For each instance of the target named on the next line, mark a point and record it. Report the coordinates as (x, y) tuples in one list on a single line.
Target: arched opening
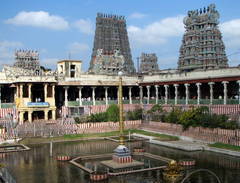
[(49, 114), (38, 115), (25, 116)]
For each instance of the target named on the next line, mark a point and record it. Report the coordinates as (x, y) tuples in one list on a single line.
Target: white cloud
[(84, 26), (167, 62), (157, 33), (39, 19), (78, 48), (49, 62), (7, 51), (7, 44), (231, 28), (231, 33), (137, 15)]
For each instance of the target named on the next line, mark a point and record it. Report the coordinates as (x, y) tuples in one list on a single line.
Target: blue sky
[(62, 28)]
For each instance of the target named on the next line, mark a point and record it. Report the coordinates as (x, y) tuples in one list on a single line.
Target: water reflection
[(36, 165)]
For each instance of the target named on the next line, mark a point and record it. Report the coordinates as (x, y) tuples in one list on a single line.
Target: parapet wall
[(105, 126), (215, 109), (199, 133)]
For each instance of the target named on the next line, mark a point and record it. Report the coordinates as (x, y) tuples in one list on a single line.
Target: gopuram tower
[(111, 37), (148, 63), (27, 59), (202, 46)]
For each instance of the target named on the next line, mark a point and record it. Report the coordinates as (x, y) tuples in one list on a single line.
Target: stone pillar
[(0, 96), (53, 91), (198, 92), (17, 91), (53, 95), (187, 93), (30, 116), (118, 95), (156, 90), (93, 95), (176, 93), (66, 96), (46, 115), (130, 94), (54, 114), (45, 92), (21, 117), (80, 95), (148, 94), (238, 91), (166, 93), (225, 92), (141, 94), (21, 91), (106, 95), (30, 92), (211, 92)]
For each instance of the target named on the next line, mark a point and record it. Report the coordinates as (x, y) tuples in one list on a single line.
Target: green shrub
[(159, 117), (199, 116), (231, 125), (157, 113), (187, 119), (134, 115), (77, 120), (156, 109), (98, 117), (173, 116), (113, 113)]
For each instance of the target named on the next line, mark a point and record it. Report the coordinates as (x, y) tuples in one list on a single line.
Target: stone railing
[(7, 105), (103, 102), (59, 128), (204, 134), (105, 126), (216, 109), (160, 101)]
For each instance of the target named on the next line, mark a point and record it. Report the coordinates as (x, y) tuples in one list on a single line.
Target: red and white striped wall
[(8, 112), (124, 159)]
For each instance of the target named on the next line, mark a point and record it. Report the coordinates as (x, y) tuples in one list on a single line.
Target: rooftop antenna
[(69, 56), (138, 69)]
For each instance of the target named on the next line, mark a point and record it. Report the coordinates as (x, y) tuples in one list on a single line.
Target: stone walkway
[(181, 144), (188, 145)]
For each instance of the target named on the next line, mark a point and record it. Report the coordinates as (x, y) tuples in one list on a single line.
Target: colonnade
[(186, 85), (93, 95), (166, 93), (23, 101)]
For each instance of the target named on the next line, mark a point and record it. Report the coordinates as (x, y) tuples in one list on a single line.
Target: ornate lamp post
[(121, 153), (121, 124)]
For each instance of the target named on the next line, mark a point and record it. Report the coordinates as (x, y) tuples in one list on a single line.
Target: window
[(72, 71), (49, 91), (61, 69), (72, 67), (25, 91)]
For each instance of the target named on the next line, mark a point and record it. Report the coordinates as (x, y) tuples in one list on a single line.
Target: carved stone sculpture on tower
[(111, 35), (27, 59), (107, 63), (148, 63), (202, 46)]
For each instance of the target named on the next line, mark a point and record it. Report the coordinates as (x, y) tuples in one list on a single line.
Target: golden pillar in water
[(173, 173), (121, 123)]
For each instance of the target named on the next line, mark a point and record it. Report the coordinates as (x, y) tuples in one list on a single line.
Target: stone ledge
[(223, 151), (178, 145), (202, 146), (112, 164)]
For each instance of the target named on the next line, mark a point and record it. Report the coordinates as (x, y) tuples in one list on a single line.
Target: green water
[(37, 165)]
